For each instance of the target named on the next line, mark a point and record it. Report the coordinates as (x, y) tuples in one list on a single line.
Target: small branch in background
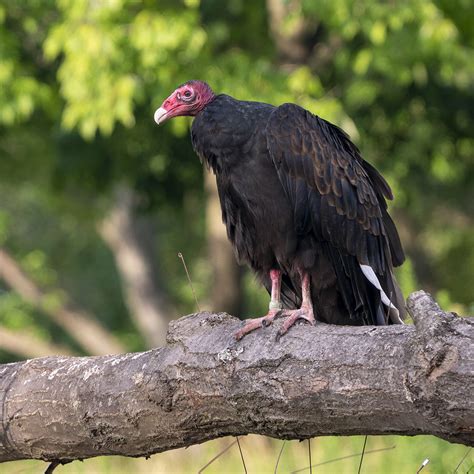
[(241, 454), (279, 456), (53, 465), (462, 460), (217, 456), (80, 325), (28, 346), (423, 465), (362, 455), (342, 458), (309, 457)]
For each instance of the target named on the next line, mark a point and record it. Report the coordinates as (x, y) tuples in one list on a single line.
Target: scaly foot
[(256, 323), (305, 312)]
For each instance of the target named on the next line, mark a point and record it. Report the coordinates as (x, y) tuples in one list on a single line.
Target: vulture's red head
[(188, 99)]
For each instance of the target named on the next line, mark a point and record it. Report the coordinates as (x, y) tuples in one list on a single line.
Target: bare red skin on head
[(188, 99)]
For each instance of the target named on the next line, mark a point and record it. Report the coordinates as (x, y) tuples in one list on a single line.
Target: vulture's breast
[(229, 136)]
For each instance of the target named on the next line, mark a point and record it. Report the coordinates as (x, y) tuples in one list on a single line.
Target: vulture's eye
[(187, 94)]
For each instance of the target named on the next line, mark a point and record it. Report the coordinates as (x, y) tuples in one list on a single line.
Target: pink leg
[(305, 312), (274, 308), (275, 301)]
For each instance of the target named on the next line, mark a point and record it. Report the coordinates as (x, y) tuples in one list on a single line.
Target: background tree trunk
[(129, 238), (321, 380), (80, 325), (292, 43), (28, 345)]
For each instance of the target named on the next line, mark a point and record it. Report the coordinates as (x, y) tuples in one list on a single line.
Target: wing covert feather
[(321, 169)]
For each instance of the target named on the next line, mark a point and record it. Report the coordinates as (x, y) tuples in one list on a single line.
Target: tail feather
[(362, 301), (392, 310), (396, 249), (368, 298)]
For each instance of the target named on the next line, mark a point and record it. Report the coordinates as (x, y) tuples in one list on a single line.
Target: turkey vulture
[(301, 207)]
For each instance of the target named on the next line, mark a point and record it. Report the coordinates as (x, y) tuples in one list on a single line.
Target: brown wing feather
[(349, 192)]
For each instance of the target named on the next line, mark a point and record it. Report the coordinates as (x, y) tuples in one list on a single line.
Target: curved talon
[(275, 308), (256, 323), (293, 316)]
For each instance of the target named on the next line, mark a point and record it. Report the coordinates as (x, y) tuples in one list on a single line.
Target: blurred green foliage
[(80, 79), (79, 82)]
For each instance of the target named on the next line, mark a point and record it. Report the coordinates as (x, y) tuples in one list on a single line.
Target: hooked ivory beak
[(160, 115)]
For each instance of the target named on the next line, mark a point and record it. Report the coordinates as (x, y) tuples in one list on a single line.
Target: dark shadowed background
[(97, 202)]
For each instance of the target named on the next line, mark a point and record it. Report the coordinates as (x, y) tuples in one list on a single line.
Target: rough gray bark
[(321, 380)]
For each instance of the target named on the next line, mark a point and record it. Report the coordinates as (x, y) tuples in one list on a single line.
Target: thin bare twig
[(216, 457), (344, 457), (462, 460), (180, 255), (309, 456), (52, 466), (279, 456), (423, 465), (241, 454), (362, 456)]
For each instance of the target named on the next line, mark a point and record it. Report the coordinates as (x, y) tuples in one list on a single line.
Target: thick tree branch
[(315, 381), (81, 326)]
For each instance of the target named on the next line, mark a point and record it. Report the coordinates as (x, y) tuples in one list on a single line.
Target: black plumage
[(297, 196), (301, 207)]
